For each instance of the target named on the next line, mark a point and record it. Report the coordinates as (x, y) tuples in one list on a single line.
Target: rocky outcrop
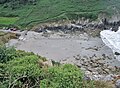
[(79, 25), (72, 26)]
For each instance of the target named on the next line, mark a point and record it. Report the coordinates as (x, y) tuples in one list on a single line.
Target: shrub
[(7, 54), (2, 1), (19, 69), (24, 66), (64, 76), (22, 71), (16, 3)]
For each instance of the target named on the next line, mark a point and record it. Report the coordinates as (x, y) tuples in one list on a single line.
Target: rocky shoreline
[(78, 25), (94, 69), (70, 39)]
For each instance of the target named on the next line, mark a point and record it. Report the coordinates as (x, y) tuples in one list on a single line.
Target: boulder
[(117, 83), (109, 77), (47, 63)]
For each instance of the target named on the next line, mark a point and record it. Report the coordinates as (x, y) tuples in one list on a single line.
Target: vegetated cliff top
[(32, 12)]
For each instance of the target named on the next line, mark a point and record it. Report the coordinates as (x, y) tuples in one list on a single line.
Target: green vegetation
[(45, 10), (64, 76), (8, 20), (6, 54), (19, 69)]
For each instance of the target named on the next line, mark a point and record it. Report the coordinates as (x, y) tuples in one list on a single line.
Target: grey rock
[(117, 84), (95, 73), (107, 70), (97, 77), (87, 78), (109, 77)]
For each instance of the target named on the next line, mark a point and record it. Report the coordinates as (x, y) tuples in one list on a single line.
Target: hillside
[(48, 10)]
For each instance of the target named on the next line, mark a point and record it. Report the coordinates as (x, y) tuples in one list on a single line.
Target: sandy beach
[(65, 48)]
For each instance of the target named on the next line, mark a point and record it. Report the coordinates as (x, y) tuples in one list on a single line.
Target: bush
[(22, 71), (16, 3), (19, 69), (64, 76), (2, 1), (24, 66), (7, 54)]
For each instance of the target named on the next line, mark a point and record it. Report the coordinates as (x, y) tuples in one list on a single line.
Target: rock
[(107, 70), (117, 83), (38, 30), (79, 66), (116, 53), (47, 63), (90, 69), (88, 73), (95, 65), (97, 77), (77, 58), (95, 73), (85, 64), (111, 68), (90, 76), (86, 78), (109, 77)]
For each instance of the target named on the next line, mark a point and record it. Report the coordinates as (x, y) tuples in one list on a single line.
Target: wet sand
[(65, 48)]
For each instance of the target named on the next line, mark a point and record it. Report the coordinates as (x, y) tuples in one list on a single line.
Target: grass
[(8, 20), (49, 10)]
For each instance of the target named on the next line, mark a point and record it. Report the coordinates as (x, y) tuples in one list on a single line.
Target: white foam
[(112, 40)]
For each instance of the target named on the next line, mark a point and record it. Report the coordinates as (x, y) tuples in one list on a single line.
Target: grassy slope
[(47, 10), (8, 20)]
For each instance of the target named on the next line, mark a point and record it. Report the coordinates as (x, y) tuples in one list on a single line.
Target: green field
[(48, 10), (8, 20)]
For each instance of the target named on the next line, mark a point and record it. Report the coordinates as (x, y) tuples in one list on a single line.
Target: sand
[(65, 47)]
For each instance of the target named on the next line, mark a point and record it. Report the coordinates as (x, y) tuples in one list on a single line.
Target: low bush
[(64, 76), (7, 54), (19, 69)]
